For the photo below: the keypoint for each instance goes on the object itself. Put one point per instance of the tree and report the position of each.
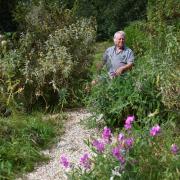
(6, 18)
(111, 16)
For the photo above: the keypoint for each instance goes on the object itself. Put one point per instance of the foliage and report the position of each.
(50, 56)
(40, 16)
(6, 19)
(152, 86)
(164, 48)
(137, 38)
(129, 94)
(99, 50)
(133, 153)
(115, 15)
(21, 139)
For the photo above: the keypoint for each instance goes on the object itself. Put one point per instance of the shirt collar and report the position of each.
(124, 47)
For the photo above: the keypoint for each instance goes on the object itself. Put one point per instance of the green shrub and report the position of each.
(133, 93)
(137, 38)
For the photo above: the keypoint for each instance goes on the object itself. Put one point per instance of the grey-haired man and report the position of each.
(118, 58)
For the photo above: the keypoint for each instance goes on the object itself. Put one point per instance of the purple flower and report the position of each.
(129, 119)
(120, 137)
(129, 142)
(174, 149)
(85, 161)
(155, 130)
(127, 126)
(98, 145)
(106, 134)
(64, 161)
(116, 153)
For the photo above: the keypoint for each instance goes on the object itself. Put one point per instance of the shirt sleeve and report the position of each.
(130, 58)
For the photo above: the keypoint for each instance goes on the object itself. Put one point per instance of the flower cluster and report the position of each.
(155, 130)
(85, 161)
(128, 122)
(129, 142)
(118, 155)
(64, 161)
(106, 134)
(99, 145)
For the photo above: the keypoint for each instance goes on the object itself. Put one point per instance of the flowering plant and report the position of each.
(128, 154)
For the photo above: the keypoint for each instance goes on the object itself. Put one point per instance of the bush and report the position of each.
(132, 93)
(50, 56)
(137, 38)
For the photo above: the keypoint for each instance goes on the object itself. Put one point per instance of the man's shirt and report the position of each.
(114, 60)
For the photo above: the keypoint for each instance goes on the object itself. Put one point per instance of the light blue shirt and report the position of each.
(114, 60)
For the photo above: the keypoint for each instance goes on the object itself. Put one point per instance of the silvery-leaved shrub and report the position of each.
(51, 59)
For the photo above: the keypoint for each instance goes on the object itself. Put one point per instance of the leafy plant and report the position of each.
(151, 152)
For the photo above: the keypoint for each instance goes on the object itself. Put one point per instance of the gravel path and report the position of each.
(71, 144)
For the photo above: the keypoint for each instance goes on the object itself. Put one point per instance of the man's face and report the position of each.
(119, 40)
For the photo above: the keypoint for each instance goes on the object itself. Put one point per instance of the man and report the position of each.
(118, 58)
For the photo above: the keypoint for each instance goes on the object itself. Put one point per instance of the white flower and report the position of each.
(3, 43)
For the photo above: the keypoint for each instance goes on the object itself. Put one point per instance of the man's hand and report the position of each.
(119, 71)
(89, 86)
(122, 69)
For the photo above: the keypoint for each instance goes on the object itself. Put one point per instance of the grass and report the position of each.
(100, 48)
(22, 137)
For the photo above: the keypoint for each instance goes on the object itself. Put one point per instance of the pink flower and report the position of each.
(129, 119)
(129, 142)
(85, 161)
(120, 137)
(106, 134)
(155, 130)
(64, 161)
(98, 145)
(116, 153)
(127, 126)
(128, 122)
(174, 149)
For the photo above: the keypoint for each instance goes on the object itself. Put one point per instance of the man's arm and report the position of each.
(123, 69)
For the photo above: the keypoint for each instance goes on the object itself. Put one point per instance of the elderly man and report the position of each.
(118, 58)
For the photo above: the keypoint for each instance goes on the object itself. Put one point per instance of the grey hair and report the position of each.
(120, 32)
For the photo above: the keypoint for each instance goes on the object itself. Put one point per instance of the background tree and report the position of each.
(112, 15)
(6, 18)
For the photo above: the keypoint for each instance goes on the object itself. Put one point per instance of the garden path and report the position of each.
(70, 144)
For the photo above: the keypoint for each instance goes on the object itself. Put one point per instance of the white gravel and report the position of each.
(71, 144)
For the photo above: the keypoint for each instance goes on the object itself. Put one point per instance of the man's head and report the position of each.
(119, 39)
